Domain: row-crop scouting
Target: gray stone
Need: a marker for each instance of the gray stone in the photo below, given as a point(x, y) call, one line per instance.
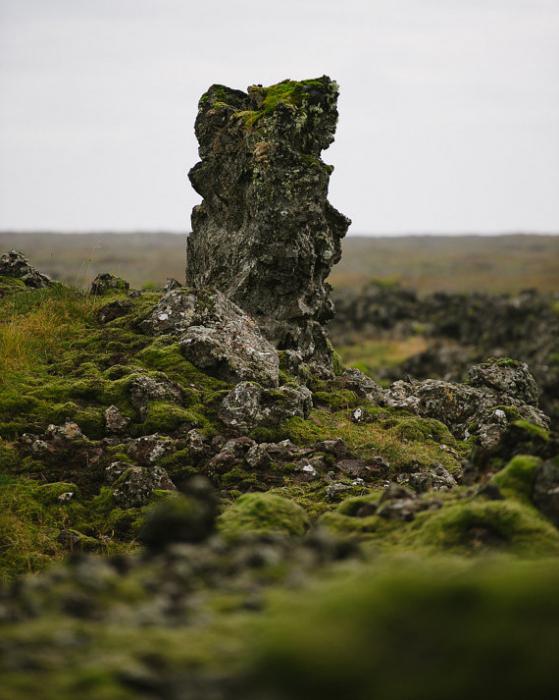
point(506, 377)
point(115, 421)
point(172, 315)
point(133, 486)
point(148, 449)
point(105, 283)
point(15, 264)
point(468, 409)
point(249, 405)
point(145, 389)
point(225, 341)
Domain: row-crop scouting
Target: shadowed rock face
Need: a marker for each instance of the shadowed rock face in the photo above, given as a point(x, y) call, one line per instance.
point(265, 233)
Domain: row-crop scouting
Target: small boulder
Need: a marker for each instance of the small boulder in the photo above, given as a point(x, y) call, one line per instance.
point(148, 449)
point(228, 343)
point(133, 486)
point(106, 283)
point(249, 405)
point(115, 421)
point(115, 309)
point(172, 314)
point(145, 389)
point(362, 385)
point(15, 264)
point(507, 377)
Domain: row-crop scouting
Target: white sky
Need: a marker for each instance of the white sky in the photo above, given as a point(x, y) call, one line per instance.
point(449, 108)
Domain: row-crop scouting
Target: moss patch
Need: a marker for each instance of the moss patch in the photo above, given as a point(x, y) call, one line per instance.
point(263, 512)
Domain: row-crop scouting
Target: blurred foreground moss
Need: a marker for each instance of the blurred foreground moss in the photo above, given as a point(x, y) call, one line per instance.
point(408, 629)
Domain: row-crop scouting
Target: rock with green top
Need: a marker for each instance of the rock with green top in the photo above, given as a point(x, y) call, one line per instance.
point(265, 234)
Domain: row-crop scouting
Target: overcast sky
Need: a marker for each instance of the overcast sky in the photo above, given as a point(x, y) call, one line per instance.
point(449, 109)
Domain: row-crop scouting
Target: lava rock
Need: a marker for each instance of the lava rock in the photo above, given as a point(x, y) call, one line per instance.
point(225, 341)
point(115, 421)
point(145, 389)
point(133, 485)
point(15, 264)
point(115, 309)
point(249, 405)
point(172, 315)
point(468, 409)
point(105, 283)
point(148, 449)
point(265, 234)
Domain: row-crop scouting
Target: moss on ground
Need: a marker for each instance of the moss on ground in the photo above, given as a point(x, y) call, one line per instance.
point(408, 628)
point(263, 513)
point(401, 439)
point(480, 525)
point(516, 480)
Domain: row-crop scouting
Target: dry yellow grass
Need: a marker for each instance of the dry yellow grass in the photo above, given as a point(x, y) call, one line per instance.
point(33, 337)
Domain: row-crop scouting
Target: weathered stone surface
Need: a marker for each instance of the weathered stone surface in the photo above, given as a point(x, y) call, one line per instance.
point(226, 342)
point(172, 315)
point(15, 264)
point(467, 409)
point(148, 449)
point(507, 377)
point(365, 387)
point(145, 390)
point(115, 421)
point(249, 405)
point(265, 234)
point(215, 335)
point(133, 486)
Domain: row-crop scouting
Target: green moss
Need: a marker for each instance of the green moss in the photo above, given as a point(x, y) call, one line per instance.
point(341, 398)
point(532, 430)
point(263, 512)
point(9, 458)
point(408, 628)
point(288, 93)
point(516, 480)
point(400, 438)
point(480, 525)
point(166, 417)
point(30, 521)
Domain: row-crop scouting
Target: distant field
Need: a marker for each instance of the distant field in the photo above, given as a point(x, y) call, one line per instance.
point(427, 263)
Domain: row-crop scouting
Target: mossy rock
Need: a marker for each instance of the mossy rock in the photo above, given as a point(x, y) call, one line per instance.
point(516, 480)
point(263, 513)
point(480, 525)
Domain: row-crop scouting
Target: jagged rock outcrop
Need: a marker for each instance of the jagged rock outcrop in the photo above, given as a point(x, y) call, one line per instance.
point(501, 399)
point(215, 335)
point(15, 264)
point(265, 234)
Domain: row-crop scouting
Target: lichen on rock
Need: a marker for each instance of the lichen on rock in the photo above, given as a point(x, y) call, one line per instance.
point(265, 234)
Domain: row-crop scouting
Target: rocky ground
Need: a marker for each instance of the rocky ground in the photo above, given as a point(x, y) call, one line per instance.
point(172, 497)
point(391, 332)
point(198, 500)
